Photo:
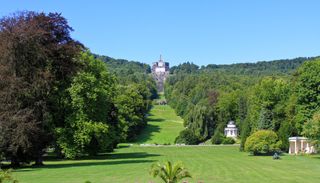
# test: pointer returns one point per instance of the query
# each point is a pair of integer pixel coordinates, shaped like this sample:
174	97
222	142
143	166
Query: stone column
290	147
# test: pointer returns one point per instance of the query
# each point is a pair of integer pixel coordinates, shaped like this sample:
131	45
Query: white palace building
160	71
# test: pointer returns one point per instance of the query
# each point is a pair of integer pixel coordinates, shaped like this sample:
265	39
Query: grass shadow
106	159
155	120
147	133
135	155
316	156
82	164
106	156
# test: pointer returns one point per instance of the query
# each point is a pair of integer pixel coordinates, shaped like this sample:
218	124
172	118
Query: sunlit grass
163	126
222	164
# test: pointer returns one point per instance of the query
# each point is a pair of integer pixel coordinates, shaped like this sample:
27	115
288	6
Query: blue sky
203	32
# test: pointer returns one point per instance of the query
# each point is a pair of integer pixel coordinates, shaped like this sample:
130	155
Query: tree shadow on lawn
315	156
266	154
107	159
147	133
83	164
106	156
156	119
122	146
134	155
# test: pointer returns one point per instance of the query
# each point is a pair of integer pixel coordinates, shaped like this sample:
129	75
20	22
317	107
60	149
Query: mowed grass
207	164
221	164
163	126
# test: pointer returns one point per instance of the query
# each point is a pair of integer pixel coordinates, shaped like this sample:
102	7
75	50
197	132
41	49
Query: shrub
262	142
228	140
6	176
187	137
217	138
170	172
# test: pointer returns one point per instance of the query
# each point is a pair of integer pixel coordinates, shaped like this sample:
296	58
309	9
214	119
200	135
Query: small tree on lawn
262	142
170	172
187	137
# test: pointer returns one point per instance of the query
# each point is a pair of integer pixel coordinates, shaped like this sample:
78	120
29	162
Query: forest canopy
278	95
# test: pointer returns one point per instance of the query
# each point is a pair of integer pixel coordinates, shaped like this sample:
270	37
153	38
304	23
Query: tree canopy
55	93
279	95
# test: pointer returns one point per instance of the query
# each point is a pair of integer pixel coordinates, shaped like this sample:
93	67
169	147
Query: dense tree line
275	67
261	68
284	101
122	66
186	68
55	93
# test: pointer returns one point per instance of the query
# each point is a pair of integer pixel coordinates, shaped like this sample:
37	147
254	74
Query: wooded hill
122	66
274	67
279	95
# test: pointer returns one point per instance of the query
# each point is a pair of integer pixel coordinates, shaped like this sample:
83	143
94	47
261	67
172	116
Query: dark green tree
187	137
37	55
307	91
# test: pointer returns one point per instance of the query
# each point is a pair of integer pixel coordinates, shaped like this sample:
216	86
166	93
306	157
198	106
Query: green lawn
221	164
163	126
207	164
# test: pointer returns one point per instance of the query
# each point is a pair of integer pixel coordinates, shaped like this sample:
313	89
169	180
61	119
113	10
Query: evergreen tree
265	119
245	133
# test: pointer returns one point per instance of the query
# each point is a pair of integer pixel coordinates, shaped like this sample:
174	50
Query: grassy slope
163	126
223	164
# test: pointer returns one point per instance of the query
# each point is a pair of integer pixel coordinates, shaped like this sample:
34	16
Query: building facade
300	145
160	71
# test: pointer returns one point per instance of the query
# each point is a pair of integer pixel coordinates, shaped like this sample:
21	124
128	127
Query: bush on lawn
187	137
217	138
263	142
6	176
228	140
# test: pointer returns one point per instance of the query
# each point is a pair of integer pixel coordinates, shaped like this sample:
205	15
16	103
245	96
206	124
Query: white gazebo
300	145
231	130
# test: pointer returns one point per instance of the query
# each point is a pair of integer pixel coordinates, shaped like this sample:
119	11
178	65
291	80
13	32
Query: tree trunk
15	162
58	152
39	160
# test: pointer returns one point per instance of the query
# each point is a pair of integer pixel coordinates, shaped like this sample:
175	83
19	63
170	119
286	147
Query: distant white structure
160	67
231	130
160	71
300	145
